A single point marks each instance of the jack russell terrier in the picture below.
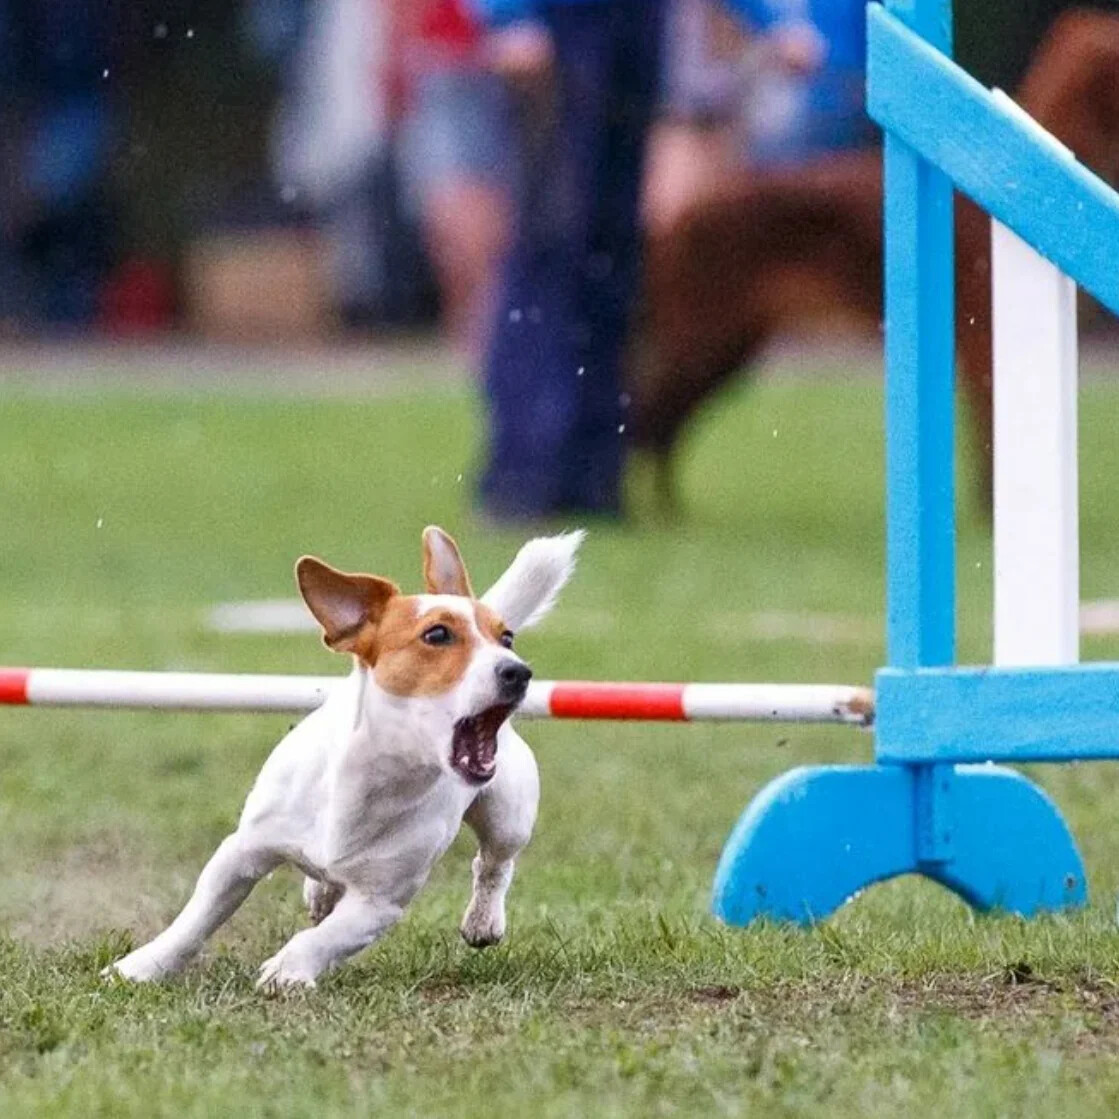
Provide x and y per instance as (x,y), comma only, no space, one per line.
(368,791)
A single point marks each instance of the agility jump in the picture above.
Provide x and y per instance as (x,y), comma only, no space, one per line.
(817,836)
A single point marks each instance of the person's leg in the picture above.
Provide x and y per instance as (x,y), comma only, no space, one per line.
(533,373)
(687,163)
(457,159)
(466,224)
(611,269)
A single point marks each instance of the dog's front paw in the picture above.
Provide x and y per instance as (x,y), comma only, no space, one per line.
(141,966)
(283,973)
(483,926)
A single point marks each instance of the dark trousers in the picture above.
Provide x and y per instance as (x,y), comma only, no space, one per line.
(553,372)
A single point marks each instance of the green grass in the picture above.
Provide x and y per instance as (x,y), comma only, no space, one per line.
(124,519)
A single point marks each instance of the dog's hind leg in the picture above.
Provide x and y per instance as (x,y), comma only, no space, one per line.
(320,898)
(226,880)
(502,817)
(354,923)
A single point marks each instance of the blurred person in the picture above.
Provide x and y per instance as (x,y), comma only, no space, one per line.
(457,155)
(331,127)
(694,144)
(552,374)
(791,116)
(57,228)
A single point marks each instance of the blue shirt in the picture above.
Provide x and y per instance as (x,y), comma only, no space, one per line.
(759,15)
(842,24)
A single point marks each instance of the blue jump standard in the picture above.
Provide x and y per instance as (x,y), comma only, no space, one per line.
(816,836)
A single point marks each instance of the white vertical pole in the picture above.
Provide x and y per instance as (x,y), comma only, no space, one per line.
(1037,560)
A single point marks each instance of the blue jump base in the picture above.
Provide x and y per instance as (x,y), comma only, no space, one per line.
(816,836)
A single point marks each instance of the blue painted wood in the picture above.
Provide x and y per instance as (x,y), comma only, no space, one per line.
(920,359)
(815,837)
(920,425)
(934,819)
(1006,163)
(1012,851)
(997,714)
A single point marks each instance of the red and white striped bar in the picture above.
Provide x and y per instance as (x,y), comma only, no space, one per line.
(746,703)
(203,691)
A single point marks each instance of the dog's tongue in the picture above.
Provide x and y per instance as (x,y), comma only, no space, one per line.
(474,743)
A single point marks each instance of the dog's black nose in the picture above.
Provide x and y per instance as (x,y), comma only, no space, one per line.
(513,677)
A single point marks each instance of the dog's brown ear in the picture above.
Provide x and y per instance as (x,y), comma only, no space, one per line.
(444,571)
(341,603)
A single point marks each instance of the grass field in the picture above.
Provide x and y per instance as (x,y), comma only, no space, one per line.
(124,518)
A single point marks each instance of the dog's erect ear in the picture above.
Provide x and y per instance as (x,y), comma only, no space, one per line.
(444,571)
(528,589)
(342,603)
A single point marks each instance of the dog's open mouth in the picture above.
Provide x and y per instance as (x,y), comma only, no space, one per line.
(474,743)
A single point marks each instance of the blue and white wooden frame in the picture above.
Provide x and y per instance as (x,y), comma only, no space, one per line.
(817,835)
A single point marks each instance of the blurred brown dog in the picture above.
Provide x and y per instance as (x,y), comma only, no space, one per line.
(787,247)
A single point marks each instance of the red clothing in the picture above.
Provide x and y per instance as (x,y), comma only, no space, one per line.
(447,25)
(426,35)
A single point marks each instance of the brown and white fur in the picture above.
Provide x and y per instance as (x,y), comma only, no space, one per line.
(368,791)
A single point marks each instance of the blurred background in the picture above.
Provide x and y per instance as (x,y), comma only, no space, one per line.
(269,170)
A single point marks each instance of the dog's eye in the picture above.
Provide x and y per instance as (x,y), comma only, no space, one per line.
(506,639)
(437,635)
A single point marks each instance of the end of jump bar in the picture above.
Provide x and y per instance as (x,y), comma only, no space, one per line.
(13,685)
(859,708)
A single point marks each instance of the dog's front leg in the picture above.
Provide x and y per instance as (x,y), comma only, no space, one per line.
(354,922)
(226,880)
(502,817)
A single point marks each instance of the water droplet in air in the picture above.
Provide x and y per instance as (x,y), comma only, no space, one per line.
(288,194)
(623,400)
(621,428)
(160,31)
(775,433)
(190,33)
(100,521)
(104,73)
(580,371)
(459,478)
(515,315)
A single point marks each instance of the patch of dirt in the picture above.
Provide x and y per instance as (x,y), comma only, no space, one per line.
(1087,1009)
(716,993)
(1075,1014)
(88,889)
(444,989)
(1079,1013)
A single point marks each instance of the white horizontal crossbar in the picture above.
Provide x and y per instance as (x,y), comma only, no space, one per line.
(200,691)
